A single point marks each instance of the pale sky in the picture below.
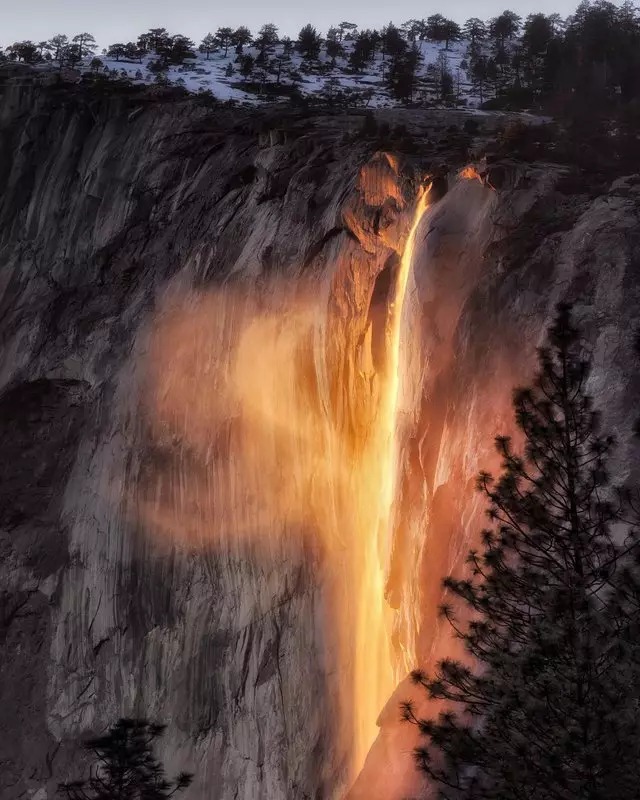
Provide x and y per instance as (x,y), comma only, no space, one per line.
(123,20)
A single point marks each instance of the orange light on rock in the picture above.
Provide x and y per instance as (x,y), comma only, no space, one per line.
(255,448)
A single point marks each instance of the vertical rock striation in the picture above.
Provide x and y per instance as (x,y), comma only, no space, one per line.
(192,338)
(154,565)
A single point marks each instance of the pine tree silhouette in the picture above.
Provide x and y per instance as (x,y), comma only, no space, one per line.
(545,704)
(126,768)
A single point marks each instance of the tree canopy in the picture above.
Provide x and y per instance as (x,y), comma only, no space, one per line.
(545,703)
(125,767)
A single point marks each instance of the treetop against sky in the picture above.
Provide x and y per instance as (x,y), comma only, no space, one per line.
(122,20)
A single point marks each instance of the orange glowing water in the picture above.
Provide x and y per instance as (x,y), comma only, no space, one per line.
(375,677)
(267,437)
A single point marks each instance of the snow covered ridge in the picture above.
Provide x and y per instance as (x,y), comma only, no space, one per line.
(287,73)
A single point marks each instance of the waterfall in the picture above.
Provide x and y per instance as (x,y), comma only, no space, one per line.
(278,451)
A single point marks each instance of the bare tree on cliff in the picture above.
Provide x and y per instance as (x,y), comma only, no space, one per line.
(125,767)
(546,705)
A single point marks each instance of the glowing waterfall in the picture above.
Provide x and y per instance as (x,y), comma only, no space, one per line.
(375,678)
(240,388)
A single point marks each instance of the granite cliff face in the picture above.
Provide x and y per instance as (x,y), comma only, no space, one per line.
(192,353)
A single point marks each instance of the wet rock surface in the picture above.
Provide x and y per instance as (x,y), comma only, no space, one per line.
(109,203)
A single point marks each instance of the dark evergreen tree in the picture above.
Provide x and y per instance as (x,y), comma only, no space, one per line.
(247,63)
(402,75)
(267,37)
(177,49)
(44,49)
(393,43)
(86,44)
(537,35)
(262,60)
(72,55)
(117,50)
(156,40)
(441,29)
(57,45)
(545,706)
(363,51)
(334,48)
(208,45)
(309,42)
(482,72)
(224,38)
(415,30)
(474,30)
(241,37)
(133,52)
(435,26)
(451,32)
(504,27)
(125,767)
(27,52)
(347,30)
(280,65)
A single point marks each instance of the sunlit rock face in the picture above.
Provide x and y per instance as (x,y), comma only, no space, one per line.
(196,381)
(488,272)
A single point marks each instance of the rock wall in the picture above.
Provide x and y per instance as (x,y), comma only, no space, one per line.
(489,271)
(144,571)
(150,565)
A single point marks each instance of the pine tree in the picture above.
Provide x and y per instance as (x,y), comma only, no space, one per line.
(309,42)
(133,52)
(208,45)
(241,37)
(27,51)
(504,27)
(451,32)
(117,51)
(545,706)
(57,45)
(223,38)
(177,49)
(392,42)
(72,55)
(334,49)
(402,78)
(247,64)
(474,30)
(126,768)
(347,30)
(86,44)
(441,29)
(415,29)
(267,37)
(156,40)
(363,51)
